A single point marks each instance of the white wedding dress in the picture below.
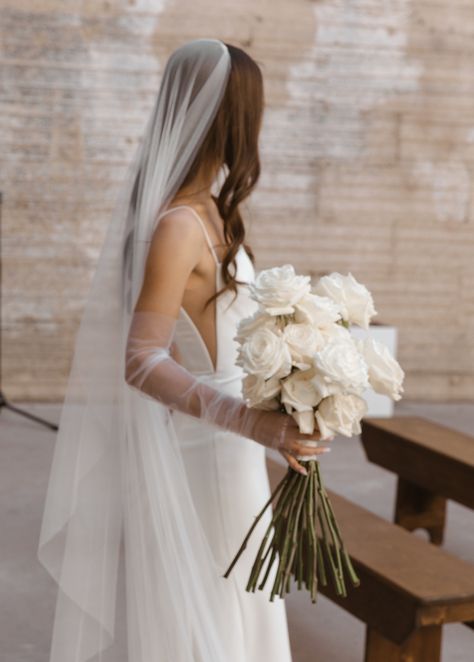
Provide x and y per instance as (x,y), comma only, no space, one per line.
(228,476)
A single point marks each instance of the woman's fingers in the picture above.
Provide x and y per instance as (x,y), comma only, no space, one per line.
(294,433)
(299,443)
(300,436)
(293,462)
(303,449)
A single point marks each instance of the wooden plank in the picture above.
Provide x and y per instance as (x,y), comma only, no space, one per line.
(425,453)
(434,437)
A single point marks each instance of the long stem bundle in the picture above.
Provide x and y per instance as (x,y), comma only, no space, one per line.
(306,544)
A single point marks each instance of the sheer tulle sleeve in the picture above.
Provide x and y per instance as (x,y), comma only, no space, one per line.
(151,369)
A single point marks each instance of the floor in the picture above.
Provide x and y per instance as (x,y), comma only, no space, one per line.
(318,632)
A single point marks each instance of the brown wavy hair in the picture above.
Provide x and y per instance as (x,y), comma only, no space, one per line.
(232,140)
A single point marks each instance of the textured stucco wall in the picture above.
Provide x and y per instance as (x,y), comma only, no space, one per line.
(367,150)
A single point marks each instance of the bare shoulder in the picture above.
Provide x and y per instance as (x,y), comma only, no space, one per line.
(179,226)
(179,231)
(175,249)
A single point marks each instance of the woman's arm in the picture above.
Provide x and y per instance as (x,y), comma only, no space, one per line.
(175,250)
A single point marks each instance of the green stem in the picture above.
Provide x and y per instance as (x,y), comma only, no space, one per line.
(295,529)
(350,568)
(321,567)
(299,483)
(259,559)
(335,538)
(299,565)
(311,569)
(257,518)
(276,523)
(345,556)
(269,567)
(327,549)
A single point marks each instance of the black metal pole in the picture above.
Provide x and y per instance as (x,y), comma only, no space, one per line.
(4,403)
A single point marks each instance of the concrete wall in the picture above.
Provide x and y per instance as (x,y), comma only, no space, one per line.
(367,149)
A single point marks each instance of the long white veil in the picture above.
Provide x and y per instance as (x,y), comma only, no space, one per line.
(120,535)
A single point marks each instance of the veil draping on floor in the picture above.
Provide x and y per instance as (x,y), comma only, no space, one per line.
(137,581)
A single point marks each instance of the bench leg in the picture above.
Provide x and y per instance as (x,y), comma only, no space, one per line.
(424,645)
(418,508)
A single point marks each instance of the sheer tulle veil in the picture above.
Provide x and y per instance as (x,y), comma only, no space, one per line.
(137,581)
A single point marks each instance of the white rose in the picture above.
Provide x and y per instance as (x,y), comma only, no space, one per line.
(278,289)
(354,299)
(340,413)
(248,325)
(306,423)
(265,354)
(258,391)
(385,373)
(298,392)
(303,341)
(318,311)
(340,368)
(336,331)
(300,397)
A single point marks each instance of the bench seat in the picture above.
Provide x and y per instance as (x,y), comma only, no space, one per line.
(433,463)
(409,587)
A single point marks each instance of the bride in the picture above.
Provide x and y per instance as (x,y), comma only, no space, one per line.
(159,465)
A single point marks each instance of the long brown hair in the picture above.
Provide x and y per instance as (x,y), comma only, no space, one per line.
(232,140)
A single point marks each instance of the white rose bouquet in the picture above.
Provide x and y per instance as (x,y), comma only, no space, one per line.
(299,356)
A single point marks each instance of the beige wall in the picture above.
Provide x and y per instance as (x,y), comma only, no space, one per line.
(367,149)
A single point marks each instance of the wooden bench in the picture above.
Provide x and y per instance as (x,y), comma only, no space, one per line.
(409,588)
(433,463)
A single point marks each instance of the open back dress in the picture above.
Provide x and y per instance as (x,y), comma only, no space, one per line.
(227,474)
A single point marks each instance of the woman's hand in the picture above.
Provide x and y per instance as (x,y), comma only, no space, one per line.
(280,431)
(294,445)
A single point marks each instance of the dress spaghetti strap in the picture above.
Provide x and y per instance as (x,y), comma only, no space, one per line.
(201,222)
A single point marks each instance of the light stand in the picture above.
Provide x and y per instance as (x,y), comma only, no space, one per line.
(4,403)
